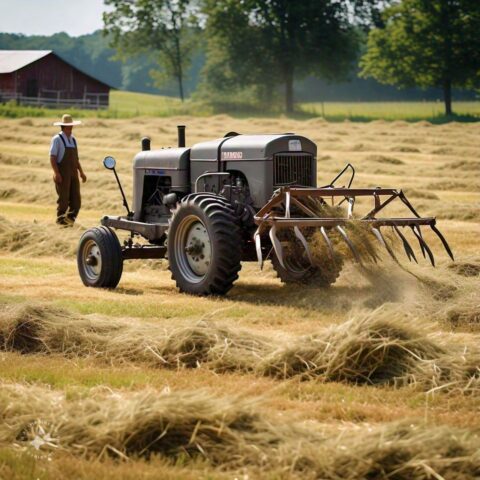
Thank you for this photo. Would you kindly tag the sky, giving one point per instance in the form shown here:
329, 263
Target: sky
45, 17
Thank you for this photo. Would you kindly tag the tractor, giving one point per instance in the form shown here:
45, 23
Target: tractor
212, 206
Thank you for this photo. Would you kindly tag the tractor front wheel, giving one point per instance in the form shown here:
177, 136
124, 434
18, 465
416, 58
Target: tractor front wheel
204, 245
99, 258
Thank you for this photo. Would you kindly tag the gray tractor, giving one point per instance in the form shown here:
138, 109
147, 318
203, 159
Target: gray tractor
238, 198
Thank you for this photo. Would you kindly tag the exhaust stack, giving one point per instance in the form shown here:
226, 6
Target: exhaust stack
145, 144
181, 136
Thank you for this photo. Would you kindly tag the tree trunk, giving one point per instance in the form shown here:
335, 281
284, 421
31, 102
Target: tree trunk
289, 90
180, 87
447, 96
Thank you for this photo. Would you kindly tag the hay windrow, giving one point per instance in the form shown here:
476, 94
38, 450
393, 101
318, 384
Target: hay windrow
376, 348
32, 328
380, 347
403, 451
228, 432
34, 239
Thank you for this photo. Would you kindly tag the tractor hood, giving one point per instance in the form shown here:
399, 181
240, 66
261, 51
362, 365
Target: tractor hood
251, 147
166, 158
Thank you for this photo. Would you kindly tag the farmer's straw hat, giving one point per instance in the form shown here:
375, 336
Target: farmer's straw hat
67, 121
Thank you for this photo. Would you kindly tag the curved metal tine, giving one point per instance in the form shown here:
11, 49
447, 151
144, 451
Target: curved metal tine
277, 246
444, 241
328, 242
408, 248
349, 243
351, 204
258, 247
303, 241
423, 245
287, 205
381, 239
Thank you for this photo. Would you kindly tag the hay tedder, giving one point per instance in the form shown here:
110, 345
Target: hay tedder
241, 198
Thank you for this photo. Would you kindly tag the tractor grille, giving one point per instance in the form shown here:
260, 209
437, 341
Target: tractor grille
293, 169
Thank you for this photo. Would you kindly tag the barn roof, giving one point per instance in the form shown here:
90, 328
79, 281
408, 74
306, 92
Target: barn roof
12, 60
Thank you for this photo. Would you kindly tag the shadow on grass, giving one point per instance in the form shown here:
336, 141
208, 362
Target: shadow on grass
339, 298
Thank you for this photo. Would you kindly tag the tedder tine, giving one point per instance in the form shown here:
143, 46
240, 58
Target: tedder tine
420, 240
277, 246
381, 239
408, 249
303, 240
444, 241
258, 247
328, 242
423, 244
349, 243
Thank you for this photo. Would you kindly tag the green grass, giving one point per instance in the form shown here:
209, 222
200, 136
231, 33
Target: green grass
131, 104
412, 111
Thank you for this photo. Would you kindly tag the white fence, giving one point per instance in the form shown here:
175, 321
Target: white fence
92, 101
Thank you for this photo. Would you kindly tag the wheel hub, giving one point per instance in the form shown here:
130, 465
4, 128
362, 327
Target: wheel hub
92, 260
198, 248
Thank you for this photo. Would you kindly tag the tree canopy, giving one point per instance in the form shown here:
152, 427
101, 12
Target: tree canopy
427, 43
266, 43
159, 29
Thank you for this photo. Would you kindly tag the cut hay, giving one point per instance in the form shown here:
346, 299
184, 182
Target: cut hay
385, 160
380, 347
375, 348
35, 239
229, 433
465, 269
359, 234
32, 328
402, 451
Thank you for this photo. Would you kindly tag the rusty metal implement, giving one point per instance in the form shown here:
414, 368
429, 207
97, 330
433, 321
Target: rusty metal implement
276, 215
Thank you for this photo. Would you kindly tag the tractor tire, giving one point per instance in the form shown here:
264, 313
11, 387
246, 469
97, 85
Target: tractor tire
204, 245
99, 258
302, 272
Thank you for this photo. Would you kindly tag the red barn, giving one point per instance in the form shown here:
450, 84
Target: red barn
41, 77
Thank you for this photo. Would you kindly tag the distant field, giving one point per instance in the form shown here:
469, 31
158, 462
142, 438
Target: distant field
387, 110
144, 104
131, 104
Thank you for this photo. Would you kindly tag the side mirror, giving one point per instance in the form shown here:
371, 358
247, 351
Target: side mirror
109, 162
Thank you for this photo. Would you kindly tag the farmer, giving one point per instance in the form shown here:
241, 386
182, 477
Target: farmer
66, 168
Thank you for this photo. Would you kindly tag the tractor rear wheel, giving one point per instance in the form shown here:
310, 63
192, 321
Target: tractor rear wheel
298, 269
99, 258
204, 245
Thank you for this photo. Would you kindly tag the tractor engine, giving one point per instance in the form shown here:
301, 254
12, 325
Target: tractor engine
245, 169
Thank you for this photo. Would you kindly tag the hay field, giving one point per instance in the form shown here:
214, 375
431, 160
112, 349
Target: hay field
376, 377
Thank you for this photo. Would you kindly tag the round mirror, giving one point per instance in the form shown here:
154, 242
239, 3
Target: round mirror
109, 162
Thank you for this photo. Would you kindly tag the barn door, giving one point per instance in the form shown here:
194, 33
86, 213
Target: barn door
32, 87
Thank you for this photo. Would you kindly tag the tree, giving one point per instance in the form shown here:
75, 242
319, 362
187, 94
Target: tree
270, 42
160, 29
427, 43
